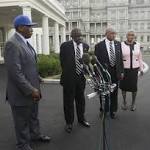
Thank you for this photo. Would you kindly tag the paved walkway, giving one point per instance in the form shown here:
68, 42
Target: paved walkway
130, 132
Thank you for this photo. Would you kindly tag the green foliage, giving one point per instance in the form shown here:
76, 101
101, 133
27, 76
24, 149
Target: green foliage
49, 65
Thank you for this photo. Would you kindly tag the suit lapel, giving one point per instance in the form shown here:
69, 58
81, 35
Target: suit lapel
25, 47
72, 49
105, 51
116, 49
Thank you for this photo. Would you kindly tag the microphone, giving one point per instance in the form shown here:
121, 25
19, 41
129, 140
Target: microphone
86, 59
86, 63
94, 62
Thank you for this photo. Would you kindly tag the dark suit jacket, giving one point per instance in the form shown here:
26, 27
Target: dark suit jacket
22, 71
103, 57
67, 59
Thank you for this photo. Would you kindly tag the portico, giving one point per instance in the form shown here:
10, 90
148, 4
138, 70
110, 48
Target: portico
49, 14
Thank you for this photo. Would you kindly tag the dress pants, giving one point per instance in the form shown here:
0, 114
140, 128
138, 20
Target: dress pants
71, 94
111, 102
26, 124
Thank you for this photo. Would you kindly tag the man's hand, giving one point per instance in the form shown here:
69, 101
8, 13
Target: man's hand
36, 95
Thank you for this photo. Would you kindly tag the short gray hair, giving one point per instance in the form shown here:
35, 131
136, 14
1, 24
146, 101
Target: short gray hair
110, 30
129, 31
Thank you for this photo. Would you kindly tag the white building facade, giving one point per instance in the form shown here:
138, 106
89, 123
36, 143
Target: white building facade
49, 14
94, 16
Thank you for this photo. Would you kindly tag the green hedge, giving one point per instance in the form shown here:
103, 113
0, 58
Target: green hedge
49, 65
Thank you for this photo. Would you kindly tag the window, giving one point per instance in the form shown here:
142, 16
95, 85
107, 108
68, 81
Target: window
112, 14
142, 26
148, 38
122, 13
67, 26
75, 14
67, 37
98, 38
92, 27
148, 26
92, 39
68, 14
74, 25
135, 26
98, 27
142, 38
139, 1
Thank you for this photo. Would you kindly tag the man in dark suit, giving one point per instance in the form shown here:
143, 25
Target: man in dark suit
23, 88
109, 54
72, 79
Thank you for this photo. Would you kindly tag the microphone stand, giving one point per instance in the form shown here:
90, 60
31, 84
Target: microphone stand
104, 93
105, 96
103, 88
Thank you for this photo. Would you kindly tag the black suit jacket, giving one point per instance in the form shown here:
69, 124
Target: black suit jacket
67, 60
103, 57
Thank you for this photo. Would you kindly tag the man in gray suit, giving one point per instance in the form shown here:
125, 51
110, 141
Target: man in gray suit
23, 89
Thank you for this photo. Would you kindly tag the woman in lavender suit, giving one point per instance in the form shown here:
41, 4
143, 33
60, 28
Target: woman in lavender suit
132, 59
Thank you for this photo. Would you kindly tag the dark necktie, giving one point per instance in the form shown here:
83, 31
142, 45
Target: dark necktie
78, 64
32, 51
112, 55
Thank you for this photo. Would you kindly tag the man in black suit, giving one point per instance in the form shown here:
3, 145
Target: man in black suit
72, 79
109, 54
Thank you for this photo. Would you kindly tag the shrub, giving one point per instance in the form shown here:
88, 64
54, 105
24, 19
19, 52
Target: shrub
49, 65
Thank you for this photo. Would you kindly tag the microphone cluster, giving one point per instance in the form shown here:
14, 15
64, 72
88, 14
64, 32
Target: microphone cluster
96, 75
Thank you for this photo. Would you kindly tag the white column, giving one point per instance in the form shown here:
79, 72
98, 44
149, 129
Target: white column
27, 11
33, 42
10, 32
63, 34
39, 44
56, 38
45, 40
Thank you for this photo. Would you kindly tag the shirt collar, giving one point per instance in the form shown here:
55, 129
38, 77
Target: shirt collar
74, 43
25, 41
107, 41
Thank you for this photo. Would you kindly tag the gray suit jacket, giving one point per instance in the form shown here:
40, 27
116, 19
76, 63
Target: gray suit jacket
20, 61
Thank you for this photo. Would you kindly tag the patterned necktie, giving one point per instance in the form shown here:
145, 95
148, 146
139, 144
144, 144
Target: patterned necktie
32, 51
78, 64
112, 55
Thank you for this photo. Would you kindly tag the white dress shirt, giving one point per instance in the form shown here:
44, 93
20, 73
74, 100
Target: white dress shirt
80, 47
108, 46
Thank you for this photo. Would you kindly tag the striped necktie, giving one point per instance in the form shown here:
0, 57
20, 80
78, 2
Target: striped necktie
112, 55
78, 64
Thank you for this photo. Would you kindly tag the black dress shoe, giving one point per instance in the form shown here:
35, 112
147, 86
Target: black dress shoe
112, 115
42, 138
84, 124
68, 128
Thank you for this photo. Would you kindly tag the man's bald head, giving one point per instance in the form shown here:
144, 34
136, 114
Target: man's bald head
76, 35
110, 34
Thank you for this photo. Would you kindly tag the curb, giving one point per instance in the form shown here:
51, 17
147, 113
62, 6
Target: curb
57, 81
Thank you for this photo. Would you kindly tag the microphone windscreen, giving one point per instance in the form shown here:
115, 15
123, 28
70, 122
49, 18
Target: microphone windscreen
91, 53
93, 60
86, 58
